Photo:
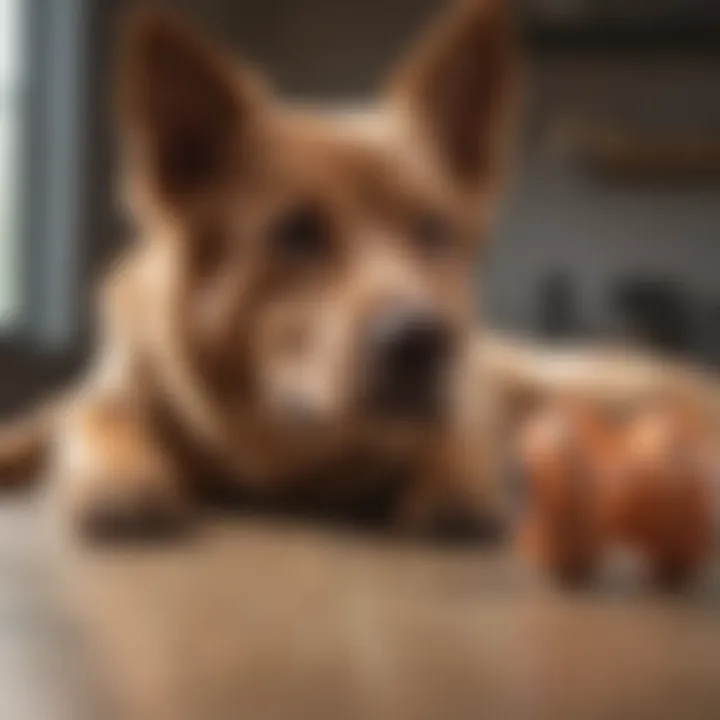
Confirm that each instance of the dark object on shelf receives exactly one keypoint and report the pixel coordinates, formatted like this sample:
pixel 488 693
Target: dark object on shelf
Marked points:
pixel 687 30
pixel 710 336
pixel 658 313
pixel 559 305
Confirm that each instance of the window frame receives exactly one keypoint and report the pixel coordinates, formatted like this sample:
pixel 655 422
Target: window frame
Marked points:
pixel 65 195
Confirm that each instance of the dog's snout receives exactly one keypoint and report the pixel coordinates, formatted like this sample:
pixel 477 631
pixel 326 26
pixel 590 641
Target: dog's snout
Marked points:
pixel 409 350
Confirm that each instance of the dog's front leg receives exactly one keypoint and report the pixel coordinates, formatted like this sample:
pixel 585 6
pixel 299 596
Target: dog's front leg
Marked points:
pixel 113 478
pixel 456 493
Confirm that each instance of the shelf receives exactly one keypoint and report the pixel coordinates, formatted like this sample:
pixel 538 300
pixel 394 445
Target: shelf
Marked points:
pixel 666 37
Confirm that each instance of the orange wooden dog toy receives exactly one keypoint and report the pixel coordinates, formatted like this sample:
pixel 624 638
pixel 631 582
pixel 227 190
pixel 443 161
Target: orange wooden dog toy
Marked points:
pixel 663 506
pixel 564 450
pixel 644 484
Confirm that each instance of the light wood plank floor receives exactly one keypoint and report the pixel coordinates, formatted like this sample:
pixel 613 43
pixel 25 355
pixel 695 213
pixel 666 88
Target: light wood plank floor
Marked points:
pixel 263 619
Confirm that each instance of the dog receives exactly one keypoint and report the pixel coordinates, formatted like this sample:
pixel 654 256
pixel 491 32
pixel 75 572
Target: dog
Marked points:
pixel 297 312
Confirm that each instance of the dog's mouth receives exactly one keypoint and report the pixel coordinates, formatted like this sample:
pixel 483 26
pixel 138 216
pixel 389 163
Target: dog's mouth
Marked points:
pixel 413 398
pixel 406 408
pixel 408 368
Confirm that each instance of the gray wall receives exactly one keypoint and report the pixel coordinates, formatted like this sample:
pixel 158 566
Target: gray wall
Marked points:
pixel 563 216
pixel 318 48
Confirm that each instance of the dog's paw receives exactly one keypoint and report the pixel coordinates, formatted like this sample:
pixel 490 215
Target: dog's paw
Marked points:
pixel 109 509
pixel 455 523
pixel 133 517
pixel 464 526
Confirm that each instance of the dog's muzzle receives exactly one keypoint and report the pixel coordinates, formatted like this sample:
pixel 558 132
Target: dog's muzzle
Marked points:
pixel 407 364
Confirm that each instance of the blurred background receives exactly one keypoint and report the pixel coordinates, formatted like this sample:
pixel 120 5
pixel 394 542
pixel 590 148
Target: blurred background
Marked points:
pixel 611 228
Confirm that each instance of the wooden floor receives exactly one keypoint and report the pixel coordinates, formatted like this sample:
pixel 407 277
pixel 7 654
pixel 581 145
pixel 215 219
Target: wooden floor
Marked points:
pixel 266 620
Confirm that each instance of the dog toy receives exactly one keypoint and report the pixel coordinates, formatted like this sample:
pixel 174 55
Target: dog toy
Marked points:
pixel 564 449
pixel 645 483
pixel 663 505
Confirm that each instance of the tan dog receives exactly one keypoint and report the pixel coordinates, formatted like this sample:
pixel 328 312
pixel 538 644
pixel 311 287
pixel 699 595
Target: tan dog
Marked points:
pixel 300 296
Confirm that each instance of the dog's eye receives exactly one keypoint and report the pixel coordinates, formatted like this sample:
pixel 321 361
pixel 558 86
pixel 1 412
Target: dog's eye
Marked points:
pixel 433 233
pixel 302 234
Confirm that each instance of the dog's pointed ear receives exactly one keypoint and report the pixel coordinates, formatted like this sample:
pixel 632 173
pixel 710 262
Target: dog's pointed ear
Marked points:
pixel 184 106
pixel 458 85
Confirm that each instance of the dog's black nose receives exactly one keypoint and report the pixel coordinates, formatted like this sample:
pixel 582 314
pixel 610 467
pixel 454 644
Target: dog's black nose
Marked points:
pixel 411 343
pixel 410 350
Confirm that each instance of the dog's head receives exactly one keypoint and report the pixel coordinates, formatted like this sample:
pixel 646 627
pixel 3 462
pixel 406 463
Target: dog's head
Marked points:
pixel 326 257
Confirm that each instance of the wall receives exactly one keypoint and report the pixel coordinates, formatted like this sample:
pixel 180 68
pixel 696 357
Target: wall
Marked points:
pixel 564 216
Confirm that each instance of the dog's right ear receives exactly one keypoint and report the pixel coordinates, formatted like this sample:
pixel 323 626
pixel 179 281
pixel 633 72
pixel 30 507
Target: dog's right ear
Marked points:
pixel 458 85
pixel 185 108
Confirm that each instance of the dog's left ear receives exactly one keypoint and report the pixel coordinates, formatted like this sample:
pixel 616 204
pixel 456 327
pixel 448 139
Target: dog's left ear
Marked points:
pixel 186 109
pixel 457 87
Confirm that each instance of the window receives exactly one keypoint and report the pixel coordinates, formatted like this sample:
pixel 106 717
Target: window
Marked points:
pixel 12 96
